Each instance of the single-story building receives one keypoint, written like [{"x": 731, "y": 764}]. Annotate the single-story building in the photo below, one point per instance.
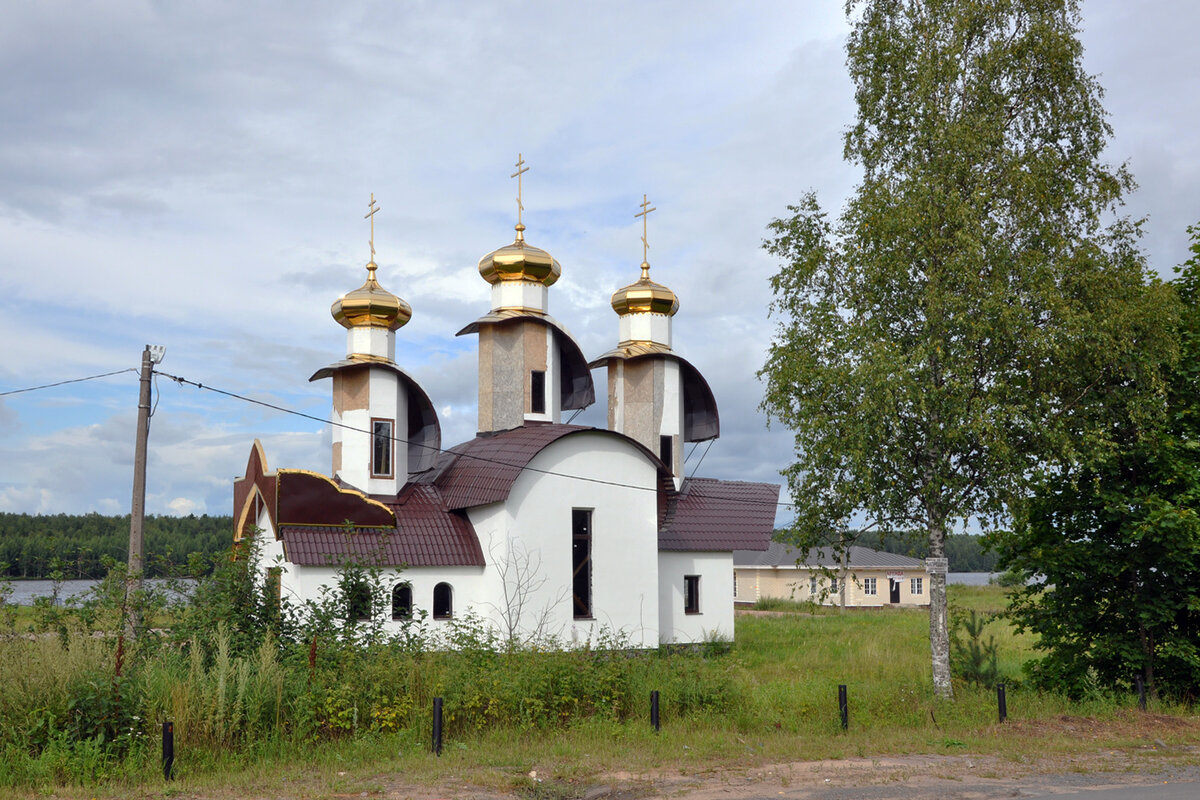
[{"x": 868, "y": 578}]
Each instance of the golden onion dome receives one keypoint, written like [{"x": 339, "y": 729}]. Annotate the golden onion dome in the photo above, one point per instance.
[
  {"x": 645, "y": 296},
  {"x": 371, "y": 306},
  {"x": 520, "y": 261}
]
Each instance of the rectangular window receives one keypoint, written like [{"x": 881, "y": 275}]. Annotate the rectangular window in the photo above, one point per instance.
[
  {"x": 915, "y": 586},
  {"x": 691, "y": 594},
  {"x": 537, "y": 392},
  {"x": 833, "y": 585},
  {"x": 868, "y": 585},
  {"x": 381, "y": 448},
  {"x": 666, "y": 447},
  {"x": 581, "y": 562},
  {"x": 812, "y": 585}
]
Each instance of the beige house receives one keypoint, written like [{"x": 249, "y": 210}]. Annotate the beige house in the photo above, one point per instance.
[{"x": 868, "y": 578}]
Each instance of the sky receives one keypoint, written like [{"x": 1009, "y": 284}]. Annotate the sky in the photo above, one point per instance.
[{"x": 195, "y": 176}]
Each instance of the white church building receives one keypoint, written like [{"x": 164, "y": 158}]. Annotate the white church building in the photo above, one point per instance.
[{"x": 539, "y": 527}]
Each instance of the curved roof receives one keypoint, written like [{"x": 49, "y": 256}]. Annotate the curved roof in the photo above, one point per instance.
[
  {"x": 701, "y": 421},
  {"x": 576, "y": 389},
  {"x": 484, "y": 469},
  {"x": 424, "y": 429}
]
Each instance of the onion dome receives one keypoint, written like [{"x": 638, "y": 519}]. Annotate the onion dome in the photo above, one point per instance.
[
  {"x": 520, "y": 262},
  {"x": 371, "y": 306},
  {"x": 645, "y": 297}
]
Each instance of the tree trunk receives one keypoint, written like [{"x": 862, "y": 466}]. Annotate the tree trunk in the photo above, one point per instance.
[{"x": 939, "y": 628}]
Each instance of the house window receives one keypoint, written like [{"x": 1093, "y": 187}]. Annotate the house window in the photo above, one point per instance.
[
  {"x": 402, "y": 604},
  {"x": 537, "y": 391},
  {"x": 358, "y": 600},
  {"x": 691, "y": 594},
  {"x": 868, "y": 585},
  {"x": 581, "y": 562},
  {"x": 735, "y": 583},
  {"x": 666, "y": 447},
  {"x": 833, "y": 585},
  {"x": 915, "y": 585},
  {"x": 443, "y": 601},
  {"x": 381, "y": 448},
  {"x": 812, "y": 585}
]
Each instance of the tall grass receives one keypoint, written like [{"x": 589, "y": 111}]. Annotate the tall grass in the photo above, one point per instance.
[{"x": 244, "y": 699}]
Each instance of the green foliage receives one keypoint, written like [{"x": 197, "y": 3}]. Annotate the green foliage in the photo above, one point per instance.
[
  {"x": 943, "y": 338},
  {"x": 1117, "y": 538},
  {"x": 76, "y": 545},
  {"x": 971, "y": 658}
]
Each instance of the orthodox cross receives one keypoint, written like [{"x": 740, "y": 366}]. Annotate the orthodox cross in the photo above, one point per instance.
[
  {"x": 371, "y": 216},
  {"x": 521, "y": 170},
  {"x": 645, "y": 212}
]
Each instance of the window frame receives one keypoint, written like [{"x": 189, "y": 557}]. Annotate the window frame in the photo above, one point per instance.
[
  {"x": 581, "y": 559},
  {"x": 871, "y": 587},
  {"x": 537, "y": 399},
  {"x": 399, "y": 612},
  {"x": 448, "y": 612},
  {"x": 916, "y": 586},
  {"x": 376, "y": 436},
  {"x": 691, "y": 594}
]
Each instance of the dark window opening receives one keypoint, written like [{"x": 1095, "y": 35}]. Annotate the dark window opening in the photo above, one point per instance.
[
  {"x": 581, "y": 562},
  {"x": 402, "y": 601},
  {"x": 443, "y": 601},
  {"x": 537, "y": 392},
  {"x": 666, "y": 446},
  {"x": 691, "y": 594},
  {"x": 381, "y": 448},
  {"x": 358, "y": 601}
]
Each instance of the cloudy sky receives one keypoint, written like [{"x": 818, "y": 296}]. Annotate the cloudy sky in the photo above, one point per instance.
[{"x": 195, "y": 175}]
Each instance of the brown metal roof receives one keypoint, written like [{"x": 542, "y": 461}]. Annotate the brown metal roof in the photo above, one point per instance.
[
  {"x": 720, "y": 515},
  {"x": 427, "y": 534},
  {"x": 482, "y": 470}
]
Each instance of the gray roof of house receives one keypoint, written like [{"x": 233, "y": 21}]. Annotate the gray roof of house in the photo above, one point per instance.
[{"x": 783, "y": 555}]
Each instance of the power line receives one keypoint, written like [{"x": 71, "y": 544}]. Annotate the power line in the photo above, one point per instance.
[
  {"x": 64, "y": 383},
  {"x": 344, "y": 426}
]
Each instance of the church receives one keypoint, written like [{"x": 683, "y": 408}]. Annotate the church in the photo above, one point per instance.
[{"x": 544, "y": 530}]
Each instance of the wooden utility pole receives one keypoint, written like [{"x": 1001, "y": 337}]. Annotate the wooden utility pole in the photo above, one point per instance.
[{"x": 137, "y": 512}]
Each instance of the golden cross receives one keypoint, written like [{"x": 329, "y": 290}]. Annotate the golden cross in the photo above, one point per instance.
[
  {"x": 371, "y": 216},
  {"x": 646, "y": 209},
  {"x": 521, "y": 170}
]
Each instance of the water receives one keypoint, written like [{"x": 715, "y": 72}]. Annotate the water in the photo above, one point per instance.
[
  {"x": 971, "y": 578},
  {"x": 24, "y": 592}
]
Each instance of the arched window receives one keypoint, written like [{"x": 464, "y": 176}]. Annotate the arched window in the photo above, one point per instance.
[
  {"x": 402, "y": 601},
  {"x": 358, "y": 600},
  {"x": 443, "y": 601}
]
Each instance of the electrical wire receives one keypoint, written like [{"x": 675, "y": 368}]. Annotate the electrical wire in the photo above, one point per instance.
[
  {"x": 344, "y": 426},
  {"x": 64, "y": 383}
]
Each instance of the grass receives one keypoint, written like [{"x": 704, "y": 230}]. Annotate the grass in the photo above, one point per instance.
[{"x": 771, "y": 700}]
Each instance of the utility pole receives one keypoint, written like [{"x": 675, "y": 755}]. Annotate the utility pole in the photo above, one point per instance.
[{"x": 137, "y": 513}]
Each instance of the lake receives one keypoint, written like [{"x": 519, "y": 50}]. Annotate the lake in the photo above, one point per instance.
[{"x": 24, "y": 592}]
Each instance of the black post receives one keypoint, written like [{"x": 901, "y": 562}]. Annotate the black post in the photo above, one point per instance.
[
  {"x": 654, "y": 709},
  {"x": 1141, "y": 689},
  {"x": 843, "y": 706},
  {"x": 1001, "y": 702},
  {"x": 168, "y": 749},
  {"x": 437, "y": 726}
]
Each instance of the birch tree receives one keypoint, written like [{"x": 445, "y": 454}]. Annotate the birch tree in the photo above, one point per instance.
[{"x": 938, "y": 342}]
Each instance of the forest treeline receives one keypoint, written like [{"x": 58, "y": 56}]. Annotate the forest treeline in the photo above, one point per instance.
[
  {"x": 965, "y": 551},
  {"x": 76, "y": 545}
]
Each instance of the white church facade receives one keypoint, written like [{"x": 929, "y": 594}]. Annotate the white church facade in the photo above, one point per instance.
[{"x": 540, "y": 528}]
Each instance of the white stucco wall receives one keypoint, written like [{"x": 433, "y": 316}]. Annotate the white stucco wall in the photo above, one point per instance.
[
  {"x": 715, "y": 619},
  {"x": 624, "y": 536}
]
